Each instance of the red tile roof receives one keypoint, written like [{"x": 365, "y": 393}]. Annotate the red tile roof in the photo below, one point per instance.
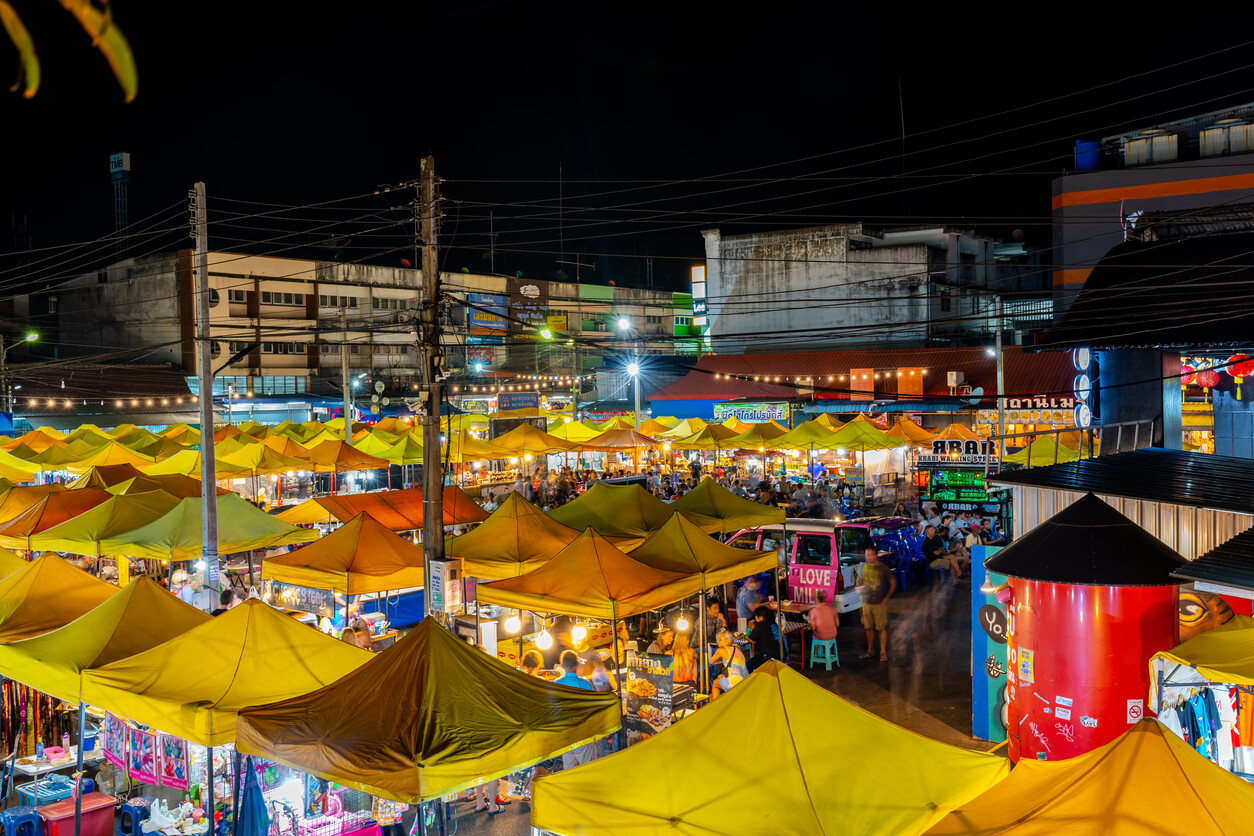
[{"x": 1026, "y": 373}]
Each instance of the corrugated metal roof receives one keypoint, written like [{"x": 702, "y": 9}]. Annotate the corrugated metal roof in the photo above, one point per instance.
[
  {"x": 1191, "y": 292},
  {"x": 1231, "y": 564},
  {"x": 1027, "y": 374},
  {"x": 956, "y": 405},
  {"x": 1176, "y": 477}
]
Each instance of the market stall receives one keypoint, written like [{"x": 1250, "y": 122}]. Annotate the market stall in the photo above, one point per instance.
[
  {"x": 818, "y": 764},
  {"x": 53, "y": 509},
  {"x": 624, "y": 514},
  {"x": 710, "y": 499},
  {"x": 516, "y": 538},
  {"x": 397, "y": 510},
  {"x": 1144, "y": 781},
  {"x": 45, "y": 594}
]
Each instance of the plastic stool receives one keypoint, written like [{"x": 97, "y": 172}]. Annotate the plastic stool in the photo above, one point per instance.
[
  {"x": 133, "y": 812},
  {"x": 22, "y": 821},
  {"x": 828, "y": 655}
]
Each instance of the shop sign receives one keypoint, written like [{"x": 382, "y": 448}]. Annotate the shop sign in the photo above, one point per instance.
[
  {"x": 752, "y": 413},
  {"x": 1039, "y": 402},
  {"x": 649, "y": 690},
  {"x": 965, "y": 484},
  {"x": 556, "y": 322},
  {"x": 319, "y": 602},
  {"x": 960, "y": 452},
  {"x": 480, "y": 354},
  {"x": 528, "y": 305},
  {"x": 488, "y": 314},
  {"x": 517, "y": 400}
]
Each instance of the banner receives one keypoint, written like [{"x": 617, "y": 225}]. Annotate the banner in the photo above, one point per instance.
[
  {"x": 141, "y": 755},
  {"x": 753, "y": 413},
  {"x": 173, "y": 761},
  {"x": 488, "y": 314},
  {"x": 648, "y": 691},
  {"x": 517, "y": 400},
  {"x": 989, "y": 683},
  {"x": 114, "y": 740},
  {"x": 319, "y": 602},
  {"x": 528, "y": 305}
]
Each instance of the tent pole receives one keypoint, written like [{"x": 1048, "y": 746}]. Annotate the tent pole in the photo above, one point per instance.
[
  {"x": 209, "y": 788},
  {"x": 618, "y": 678},
  {"x": 251, "y": 552},
  {"x": 779, "y": 602},
  {"x": 705, "y": 646},
  {"x": 78, "y": 765}
]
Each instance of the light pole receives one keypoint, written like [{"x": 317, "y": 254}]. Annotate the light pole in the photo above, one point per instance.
[
  {"x": 4, "y": 368},
  {"x": 633, "y": 369}
]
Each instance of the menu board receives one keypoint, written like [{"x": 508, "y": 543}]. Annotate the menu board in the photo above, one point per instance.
[
  {"x": 320, "y": 602},
  {"x": 648, "y": 692}
]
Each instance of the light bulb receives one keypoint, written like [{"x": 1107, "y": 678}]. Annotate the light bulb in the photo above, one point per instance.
[
  {"x": 681, "y": 623},
  {"x": 578, "y": 633},
  {"x": 513, "y": 624},
  {"x": 544, "y": 641}
]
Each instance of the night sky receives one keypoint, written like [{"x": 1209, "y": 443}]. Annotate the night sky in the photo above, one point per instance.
[{"x": 637, "y": 106}]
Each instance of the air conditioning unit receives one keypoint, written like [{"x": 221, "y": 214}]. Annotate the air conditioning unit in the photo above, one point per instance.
[{"x": 955, "y": 379}]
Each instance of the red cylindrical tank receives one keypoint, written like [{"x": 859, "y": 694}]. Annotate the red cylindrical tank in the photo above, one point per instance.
[{"x": 1078, "y": 662}]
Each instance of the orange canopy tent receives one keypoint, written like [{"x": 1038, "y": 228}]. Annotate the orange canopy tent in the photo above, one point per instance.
[
  {"x": 17, "y": 499},
  {"x": 620, "y": 439},
  {"x": 429, "y": 716},
  {"x": 105, "y": 475},
  {"x": 907, "y": 430},
  {"x": 593, "y": 578},
  {"x": 525, "y": 439},
  {"x": 361, "y": 556},
  {"x": 338, "y": 457},
  {"x": 515, "y": 539},
  {"x": 957, "y": 432},
  {"x": 53, "y": 509},
  {"x": 396, "y": 510},
  {"x": 46, "y": 594}
]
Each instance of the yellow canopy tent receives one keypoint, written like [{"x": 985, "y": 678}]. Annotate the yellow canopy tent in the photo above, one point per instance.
[
  {"x": 235, "y": 444},
  {"x": 359, "y": 557},
  {"x": 15, "y": 469},
  {"x": 591, "y": 577},
  {"x": 90, "y": 433},
  {"x": 129, "y": 435},
  {"x": 688, "y": 427},
  {"x": 618, "y": 422},
  {"x": 525, "y": 439},
  {"x": 466, "y": 448},
  {"x": 908, "y": 431},
  {"x": 573, "y": 431},
  {"x": 173, "y": 483},
  {"x": 221, "y": 434},
  {"x": 957, "y": 432},
  {"x": 53, "y": 509},
  {"x": 30, "y": 444},
  {"x": 656, "y": 426},
  {"x": 808, "y": 435},
  {"x": 1223, "y": 654},
  {"x": 111, "y": 453},
  {"x": 177, "y": 535},
  {"x": 186, "y": 463},
  {"x": 334, "y": 456},
  {"x": 322, "y": 437},
  {"x": 10, "y": 562},
  {"x": 710, "y": 499},
  {"x": 51, "y": 663},
  {"x": 625, "y": 514},
  {"x": 46, "y": 594},
  {"x": 757, "y": 436},
  {"x": 516, "y": 538},
  {"x": 1042, "y": 451},
  {"x": 406, "y": 449},
  {"x": 1147, "y": 780},
  {"x": 256, "y": 460},
  {"x": 194, "y": 684},
  {"x": 375, "y": 432},
  {"x": 105, "y": 476},
  {"x": 862, "y": 435},
  {"x": 182, "y": 433},
  {"x": 429, "y": 716},
  {"x": 827, "y": 420},
  {"x": 819, "y": 765},
  {"x": 618, "y": 439},
  {"x": 29, "y": 454},
  {"x": 397, "y": 510},
  {"x": 712, "y": 437},
  {"x": 115, "y": 516},
  {"x": 679, "y": 546}
]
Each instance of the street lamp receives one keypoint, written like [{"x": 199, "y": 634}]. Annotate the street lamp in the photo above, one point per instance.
[
  {"x": 624, "y": 323},
  {"x": 30, "y": 337},
  {"x": 633, "y": 369}
]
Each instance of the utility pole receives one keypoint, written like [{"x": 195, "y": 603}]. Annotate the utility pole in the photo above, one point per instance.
[
  {"x": 204, "y": 335},
  {"x": 348, "y": 384},
  {"x": 1001, "y": 385},
  {"x": 432, "y": 359},
  {"x": 576, "y": 390}
]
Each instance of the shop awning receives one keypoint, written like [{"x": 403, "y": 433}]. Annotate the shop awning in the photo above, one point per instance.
[
  {"x": 625, "y": 514},
  {"x": 45, "y": 594},
  {"x": 1147, "y": 780},
  {"x": 140, "y": 617},
  {"x": 710, "y": 499},
  {"x": 242, "y": 527},
  {"x": 397, "y": 510},
  {"x": 679, "y": 546},
  {"x": 1231, "y": 563},
  {"x": 818, "y": 765},
  {"x": 193, "y": 685},
  {"x": 591, "y": 578},
  {"x": 429, "y": 716},
  {"x": 360, "y": 556},
  {"x": 517, "y": 538}
]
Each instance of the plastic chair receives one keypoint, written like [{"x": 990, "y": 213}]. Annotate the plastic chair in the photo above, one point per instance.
[
  {"x": 133, "y": 812},
  {"x": 21, "y": 821},
  {"x": 828, "y": 655}
]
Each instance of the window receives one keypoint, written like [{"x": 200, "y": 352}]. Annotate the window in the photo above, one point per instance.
[
  {"x": 322, "y": 301},
  {"x": 235, "y": 296},
  {"x": 52, "y": 304},
  {"x": 354, "y": 349},
  {"x": 214, "y": 297},
  {"x": 293, "y": 299},
  {"x": 852, "y": 541},
  {"x": 748, "y": 540},
  {"x": 330, "y": 348},
  {"x": 815, "y": 550},
  {"x": 653, "y": 320},
  {"x": 946, "y": 300},
  {"x": 683, "y": 321},
  {"x": 267, "y": 348}
]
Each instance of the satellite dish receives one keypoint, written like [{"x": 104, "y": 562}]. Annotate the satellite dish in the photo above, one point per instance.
[{"x": 977, "y": 395}]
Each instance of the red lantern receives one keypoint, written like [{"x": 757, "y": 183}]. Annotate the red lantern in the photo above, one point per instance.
[
  {"x": 1208, "y": 378},
  {"x": 1240, "y": 365},
  {"x": 1188, "y": 375}
]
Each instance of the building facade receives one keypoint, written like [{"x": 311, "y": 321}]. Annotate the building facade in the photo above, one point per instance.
[{"x": 848, "y": 284}]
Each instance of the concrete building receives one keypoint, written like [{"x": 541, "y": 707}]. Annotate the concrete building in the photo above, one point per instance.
[
  {"x": 1186, "y": 165},
  {"x": 280, "y": 325},
  {"x": 849, "y": 284}
]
